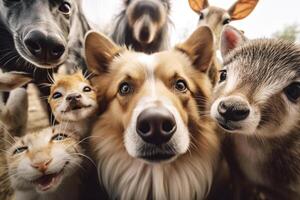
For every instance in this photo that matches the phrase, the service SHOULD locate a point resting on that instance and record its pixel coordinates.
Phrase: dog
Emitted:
(143, 25)
(40, 35)
(151, 140)
(257, 101)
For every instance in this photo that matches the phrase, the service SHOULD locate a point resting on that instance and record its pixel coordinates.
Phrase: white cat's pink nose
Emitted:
(42, 166)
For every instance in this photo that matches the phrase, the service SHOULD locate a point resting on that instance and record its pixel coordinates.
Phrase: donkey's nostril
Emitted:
(58, 51)
(33, 47)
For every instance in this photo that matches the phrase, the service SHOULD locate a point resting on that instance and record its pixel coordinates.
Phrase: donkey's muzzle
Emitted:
(46, 48)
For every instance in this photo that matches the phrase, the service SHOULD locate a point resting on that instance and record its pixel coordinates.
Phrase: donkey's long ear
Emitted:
(230, 39)
(242, 8)
(12, 80)
(199, 47)
(198, 5)
(99, 52)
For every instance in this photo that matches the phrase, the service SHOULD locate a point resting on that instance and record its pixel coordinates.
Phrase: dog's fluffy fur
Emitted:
(116, 145)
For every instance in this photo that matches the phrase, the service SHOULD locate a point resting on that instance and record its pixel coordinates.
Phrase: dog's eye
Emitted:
(59, 137)
(87, 89)
(65, 8)
(226, 21)
(57, 95)
(223, 75)
(201, 16)
(20, 150)
(125, 89)
(181, 85)
(293, 91)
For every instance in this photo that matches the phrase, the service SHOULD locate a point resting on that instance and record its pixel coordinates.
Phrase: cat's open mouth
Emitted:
(46, 182)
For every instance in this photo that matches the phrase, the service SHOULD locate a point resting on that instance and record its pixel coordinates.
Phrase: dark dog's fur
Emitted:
(143, 25)
(20, 19)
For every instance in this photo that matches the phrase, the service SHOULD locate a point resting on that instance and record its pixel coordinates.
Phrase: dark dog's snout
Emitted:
(156, 125)
(45, 48)
(144, 34)
(233, 110)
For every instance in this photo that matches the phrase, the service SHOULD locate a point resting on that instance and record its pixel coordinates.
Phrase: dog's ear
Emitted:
(12, 80)
(99, 52)
(199, 47)
(230, 39)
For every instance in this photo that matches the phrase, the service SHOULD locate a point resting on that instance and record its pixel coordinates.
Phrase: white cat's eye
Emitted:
(59, 137)
(20, 150)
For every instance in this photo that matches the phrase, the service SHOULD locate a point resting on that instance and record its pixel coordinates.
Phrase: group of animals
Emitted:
(136, 119)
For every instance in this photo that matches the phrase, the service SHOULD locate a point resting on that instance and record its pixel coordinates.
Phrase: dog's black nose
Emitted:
(156, 125)
(73, 97)
(45, 48)
(233, 111)
(144, 34)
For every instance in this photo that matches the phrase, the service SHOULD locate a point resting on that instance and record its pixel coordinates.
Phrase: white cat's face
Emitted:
(42, 160)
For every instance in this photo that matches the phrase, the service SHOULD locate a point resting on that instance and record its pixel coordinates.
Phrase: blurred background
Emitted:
(271, 18)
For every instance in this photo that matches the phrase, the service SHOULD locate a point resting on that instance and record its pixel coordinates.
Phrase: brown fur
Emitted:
(175, 179)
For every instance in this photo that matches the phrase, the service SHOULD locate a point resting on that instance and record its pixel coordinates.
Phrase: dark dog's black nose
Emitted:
(233, 111)
(156, 125)
(73, 97)
(44, 47)
(144, 34)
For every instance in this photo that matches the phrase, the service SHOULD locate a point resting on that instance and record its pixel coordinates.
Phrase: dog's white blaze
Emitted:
(181, 138)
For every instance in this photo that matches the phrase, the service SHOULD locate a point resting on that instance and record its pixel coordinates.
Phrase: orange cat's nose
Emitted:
(42, 166)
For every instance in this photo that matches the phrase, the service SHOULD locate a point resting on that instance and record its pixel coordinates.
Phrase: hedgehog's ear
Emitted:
(230, 39)
(99, 52)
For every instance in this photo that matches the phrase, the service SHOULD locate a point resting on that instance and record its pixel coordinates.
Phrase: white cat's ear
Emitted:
(231, 38)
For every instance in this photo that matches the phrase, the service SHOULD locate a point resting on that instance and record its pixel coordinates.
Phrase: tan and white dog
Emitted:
(153, 139)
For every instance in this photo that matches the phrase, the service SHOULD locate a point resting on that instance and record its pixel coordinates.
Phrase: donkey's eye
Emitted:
(201, 16)
(65, 8)
(293, 91)
(125, 89)
(226, 21)
(59, 137)
(57, 95)
(87, 89)
(181, 85)
(20, 150)
(223, 75)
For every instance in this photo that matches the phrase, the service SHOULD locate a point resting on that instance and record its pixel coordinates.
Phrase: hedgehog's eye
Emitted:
(57, 95)
(223, 75)
(20, 150)
(293, 91)
(87, 89)
(59, 137)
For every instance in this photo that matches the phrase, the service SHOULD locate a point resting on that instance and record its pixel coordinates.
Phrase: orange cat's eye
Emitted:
(20, 150)
(59, 137)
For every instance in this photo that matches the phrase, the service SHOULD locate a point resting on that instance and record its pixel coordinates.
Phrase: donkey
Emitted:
(143, 25)
(38, 36)
(216, 17)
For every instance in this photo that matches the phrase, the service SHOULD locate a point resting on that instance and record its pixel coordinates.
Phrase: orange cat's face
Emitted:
(41, 161)
(72, 97)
